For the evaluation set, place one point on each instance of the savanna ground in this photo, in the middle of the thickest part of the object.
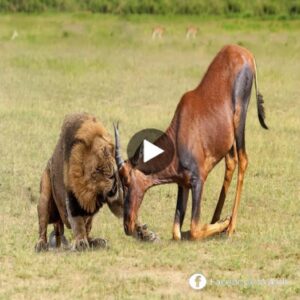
(110, 66)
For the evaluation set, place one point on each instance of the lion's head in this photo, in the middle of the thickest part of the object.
(91, 172)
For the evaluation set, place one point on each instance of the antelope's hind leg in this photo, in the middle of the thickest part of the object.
(243, 163)
(242, 98)
(230, 164)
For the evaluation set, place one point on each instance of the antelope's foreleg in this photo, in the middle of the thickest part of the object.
(199, 231)
(206, 230)
(182, 198)
(197, 190)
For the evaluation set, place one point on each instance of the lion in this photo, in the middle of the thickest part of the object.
(80, 177)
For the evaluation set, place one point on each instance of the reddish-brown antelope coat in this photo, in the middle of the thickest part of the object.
(208, 125)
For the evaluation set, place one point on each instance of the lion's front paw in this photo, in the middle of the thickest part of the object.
(41, 246)
(81, 245)
(97, 243)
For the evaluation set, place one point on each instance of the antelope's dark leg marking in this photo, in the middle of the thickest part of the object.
(198, 231)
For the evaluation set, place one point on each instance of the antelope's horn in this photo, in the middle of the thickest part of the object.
(118, 156)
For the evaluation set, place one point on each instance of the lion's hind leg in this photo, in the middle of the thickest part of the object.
(57, 237)
(43, 211)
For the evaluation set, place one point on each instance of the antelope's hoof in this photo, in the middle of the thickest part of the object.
(176, 237)
(41, 246)
(230, 231)
(81, 245)
(227, 219)
(176, 232)
(186, 235)
(225, 222)
(98, 243)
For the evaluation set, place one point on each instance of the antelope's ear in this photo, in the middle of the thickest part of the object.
(124, 172)
(138, 155)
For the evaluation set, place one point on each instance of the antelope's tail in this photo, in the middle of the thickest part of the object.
(259, 101)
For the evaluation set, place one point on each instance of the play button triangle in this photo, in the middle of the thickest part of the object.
(150, 151)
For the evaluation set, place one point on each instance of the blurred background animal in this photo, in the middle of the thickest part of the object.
(191, 32)
(158, 32)
(14, 35)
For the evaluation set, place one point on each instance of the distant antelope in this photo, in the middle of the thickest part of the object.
(14, 35)
(191, 32)
(158, 32)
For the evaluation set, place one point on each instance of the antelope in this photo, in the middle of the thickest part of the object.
(14, 35)
(208, 125)
(191, 32)
(158, 32)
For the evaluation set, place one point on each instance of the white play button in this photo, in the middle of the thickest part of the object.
(142, 148)
(150, 151)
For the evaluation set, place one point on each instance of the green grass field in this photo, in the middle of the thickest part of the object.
(110, 66)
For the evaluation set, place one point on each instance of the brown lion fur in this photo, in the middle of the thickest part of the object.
(95, 150)
(79, 178)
